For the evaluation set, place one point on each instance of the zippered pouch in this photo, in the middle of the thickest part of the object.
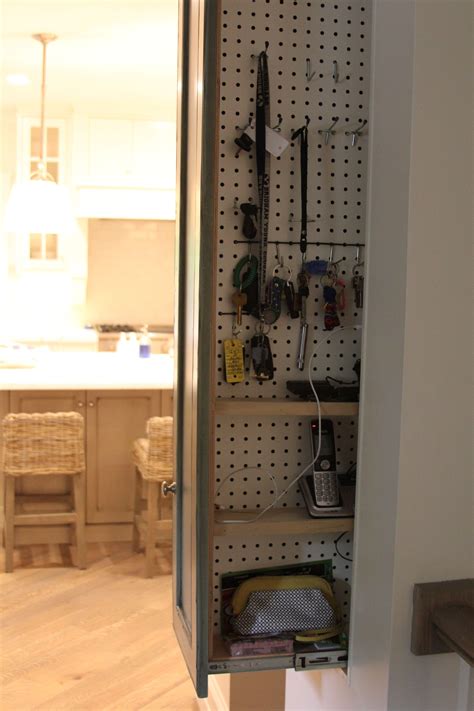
(303, 606)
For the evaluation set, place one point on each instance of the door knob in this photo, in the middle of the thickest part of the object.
(168, 488)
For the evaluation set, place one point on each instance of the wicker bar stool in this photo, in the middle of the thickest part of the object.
(41, 444)
(153, 459)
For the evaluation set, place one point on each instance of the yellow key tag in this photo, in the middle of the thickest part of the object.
(234, 360)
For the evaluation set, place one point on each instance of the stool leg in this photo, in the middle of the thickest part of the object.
(79, 504)
(9, 522)
(137, 511)
(152, 503)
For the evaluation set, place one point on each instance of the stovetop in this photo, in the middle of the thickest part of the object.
(114, 328)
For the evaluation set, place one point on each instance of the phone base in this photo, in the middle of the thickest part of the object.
(347, 499)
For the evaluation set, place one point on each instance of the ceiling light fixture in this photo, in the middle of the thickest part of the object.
(39, 205)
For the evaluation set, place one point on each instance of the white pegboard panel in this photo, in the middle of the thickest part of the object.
(280, 446)
(322, 32)
(245, 553)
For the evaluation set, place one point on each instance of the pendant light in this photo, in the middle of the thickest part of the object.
(39, 205)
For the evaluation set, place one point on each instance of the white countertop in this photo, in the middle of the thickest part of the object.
(88, 371)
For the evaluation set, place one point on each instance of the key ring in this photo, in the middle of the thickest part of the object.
(249, 261)
(260, 327)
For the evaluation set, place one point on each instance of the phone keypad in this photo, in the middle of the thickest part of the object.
(326, 488)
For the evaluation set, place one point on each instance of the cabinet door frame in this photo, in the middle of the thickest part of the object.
(194, 331)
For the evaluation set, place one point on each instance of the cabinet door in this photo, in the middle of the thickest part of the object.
(114, 420)
(110, 149)
(154, 153)
(194, 356)
(46, 401)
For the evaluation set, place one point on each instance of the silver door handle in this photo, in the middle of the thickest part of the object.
(168, 488)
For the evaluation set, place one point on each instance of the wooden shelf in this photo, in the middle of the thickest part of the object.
(274, 408)
(277, 521)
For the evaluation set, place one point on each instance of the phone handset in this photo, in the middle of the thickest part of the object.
(326, 486)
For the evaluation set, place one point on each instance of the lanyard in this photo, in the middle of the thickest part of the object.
(262, 115)
(303, 135)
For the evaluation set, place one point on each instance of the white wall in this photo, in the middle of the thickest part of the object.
(416, 410)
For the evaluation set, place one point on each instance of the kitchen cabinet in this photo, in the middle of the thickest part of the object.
(138, 153)
(113, 419)
(124, 168)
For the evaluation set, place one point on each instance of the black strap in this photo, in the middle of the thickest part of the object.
(303, 136)
(262, 119)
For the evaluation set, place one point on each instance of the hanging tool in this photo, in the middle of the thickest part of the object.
(262, 119)
(358, 281)
(302, 279)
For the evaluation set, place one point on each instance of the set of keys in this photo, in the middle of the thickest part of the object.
(279, 288)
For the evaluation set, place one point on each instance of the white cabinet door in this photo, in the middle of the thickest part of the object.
(154, 153)
(110, 150)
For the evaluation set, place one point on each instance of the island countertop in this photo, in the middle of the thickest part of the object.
(87, 371)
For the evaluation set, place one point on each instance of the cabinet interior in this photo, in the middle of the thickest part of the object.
(318, 58)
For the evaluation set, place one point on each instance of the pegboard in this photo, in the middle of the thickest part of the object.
(245, 553)
(297, 31)
(280, 446)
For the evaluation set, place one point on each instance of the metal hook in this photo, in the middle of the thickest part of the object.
(278, 256)
(307, 120)
(309, 73)
(331, 254)
(358, 263)
(291, 219)
(335, 72)
(355, 133)
(328, 132)
(235, 205)
(278, 125)
(247, 125)
(256, 56)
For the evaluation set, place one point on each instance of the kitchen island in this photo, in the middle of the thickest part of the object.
(116, 395)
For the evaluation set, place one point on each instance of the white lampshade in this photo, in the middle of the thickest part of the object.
(39, 207)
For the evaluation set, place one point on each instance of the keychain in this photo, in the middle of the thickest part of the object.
(287, 284)
(329, 281)
(358, 282)
(261, 355)
(234, 362)
(249, 227)
(272, 309)
(244, 278)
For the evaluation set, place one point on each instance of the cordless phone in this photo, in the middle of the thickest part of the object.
(326, 487)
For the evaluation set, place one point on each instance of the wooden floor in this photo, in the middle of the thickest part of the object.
(94, 639)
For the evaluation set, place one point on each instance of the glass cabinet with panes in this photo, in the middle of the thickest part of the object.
(40, 250)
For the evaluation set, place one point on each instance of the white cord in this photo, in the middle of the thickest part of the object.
(310, 465)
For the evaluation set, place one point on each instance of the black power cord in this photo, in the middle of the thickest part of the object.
(336, 541)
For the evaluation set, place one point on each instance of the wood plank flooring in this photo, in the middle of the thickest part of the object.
(94, 640)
